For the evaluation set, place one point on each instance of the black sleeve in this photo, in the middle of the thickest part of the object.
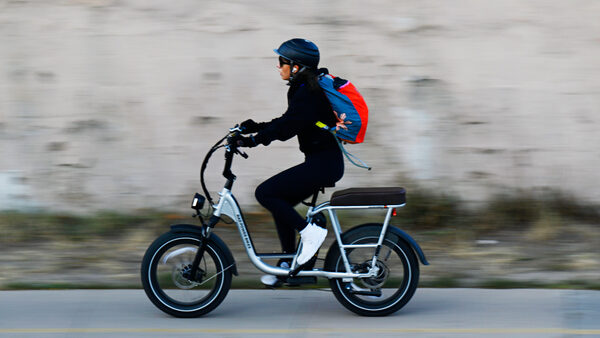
(262, 125)
(297, 116)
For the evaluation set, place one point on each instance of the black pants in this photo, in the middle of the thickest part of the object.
(280, 193)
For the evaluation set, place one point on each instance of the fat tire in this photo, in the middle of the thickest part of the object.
(406, 255)
(159, 298)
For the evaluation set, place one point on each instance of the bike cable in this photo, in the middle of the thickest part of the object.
(203, 168)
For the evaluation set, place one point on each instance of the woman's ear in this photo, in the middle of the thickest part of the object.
(295, 69)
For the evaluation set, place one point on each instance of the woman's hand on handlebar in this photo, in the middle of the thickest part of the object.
(242, 141)
(249, 127)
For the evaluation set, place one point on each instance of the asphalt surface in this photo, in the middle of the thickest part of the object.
(302, 313)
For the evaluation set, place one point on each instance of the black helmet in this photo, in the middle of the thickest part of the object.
(300, 51)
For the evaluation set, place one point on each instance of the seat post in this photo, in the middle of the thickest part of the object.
(313, 202)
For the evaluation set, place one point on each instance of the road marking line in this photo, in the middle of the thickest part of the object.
(309, 330)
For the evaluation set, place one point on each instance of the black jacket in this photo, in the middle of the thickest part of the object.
(305, 108)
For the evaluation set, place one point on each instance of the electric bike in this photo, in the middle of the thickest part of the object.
(373, 269)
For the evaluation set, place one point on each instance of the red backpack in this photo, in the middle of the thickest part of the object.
(349, 107)
(350, 110)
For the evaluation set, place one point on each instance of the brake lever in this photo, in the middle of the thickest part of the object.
(236, 128)
(242, 153)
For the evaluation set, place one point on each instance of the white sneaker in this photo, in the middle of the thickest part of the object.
(312, 237)
(271, 280)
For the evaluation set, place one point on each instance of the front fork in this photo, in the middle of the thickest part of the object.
(192, 275)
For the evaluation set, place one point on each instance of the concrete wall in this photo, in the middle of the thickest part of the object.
(112, 104)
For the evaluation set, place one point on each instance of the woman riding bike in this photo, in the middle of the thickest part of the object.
(323, 164)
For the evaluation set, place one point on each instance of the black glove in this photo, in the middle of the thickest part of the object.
(249, 127)
(242, 141)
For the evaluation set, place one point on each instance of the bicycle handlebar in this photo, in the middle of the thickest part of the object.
(231, 148)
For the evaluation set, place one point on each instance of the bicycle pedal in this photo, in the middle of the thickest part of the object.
(296, 281)
(293, 273)
(306, 266)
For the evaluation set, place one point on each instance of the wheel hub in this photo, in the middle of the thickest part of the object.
(181, 276)
(377, 281)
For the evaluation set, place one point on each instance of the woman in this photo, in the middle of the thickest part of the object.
(323, 164)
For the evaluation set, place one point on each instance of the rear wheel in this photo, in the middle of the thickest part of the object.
(388, 291)
(165, 266)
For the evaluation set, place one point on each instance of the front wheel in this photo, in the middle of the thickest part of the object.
(164, 266)
(388, 291)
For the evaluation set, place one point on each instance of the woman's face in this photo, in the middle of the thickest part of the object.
(284, 71)
(284, 68)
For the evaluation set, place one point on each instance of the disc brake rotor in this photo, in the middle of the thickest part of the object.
(182, 282)
(379, 280)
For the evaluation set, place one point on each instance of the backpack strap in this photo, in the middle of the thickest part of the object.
(353, 159)
(323, 126)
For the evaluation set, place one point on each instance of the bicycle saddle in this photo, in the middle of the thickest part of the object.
(368, 196)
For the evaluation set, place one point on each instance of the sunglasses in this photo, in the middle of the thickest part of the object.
(284, 61)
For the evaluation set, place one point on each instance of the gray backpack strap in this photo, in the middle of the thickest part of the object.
(353, 159)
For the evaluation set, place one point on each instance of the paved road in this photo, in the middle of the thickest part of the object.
(301, 313)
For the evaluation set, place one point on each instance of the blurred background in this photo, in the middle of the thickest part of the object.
(486, 111)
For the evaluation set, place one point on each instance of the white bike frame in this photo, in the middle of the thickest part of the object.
(227, 205)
